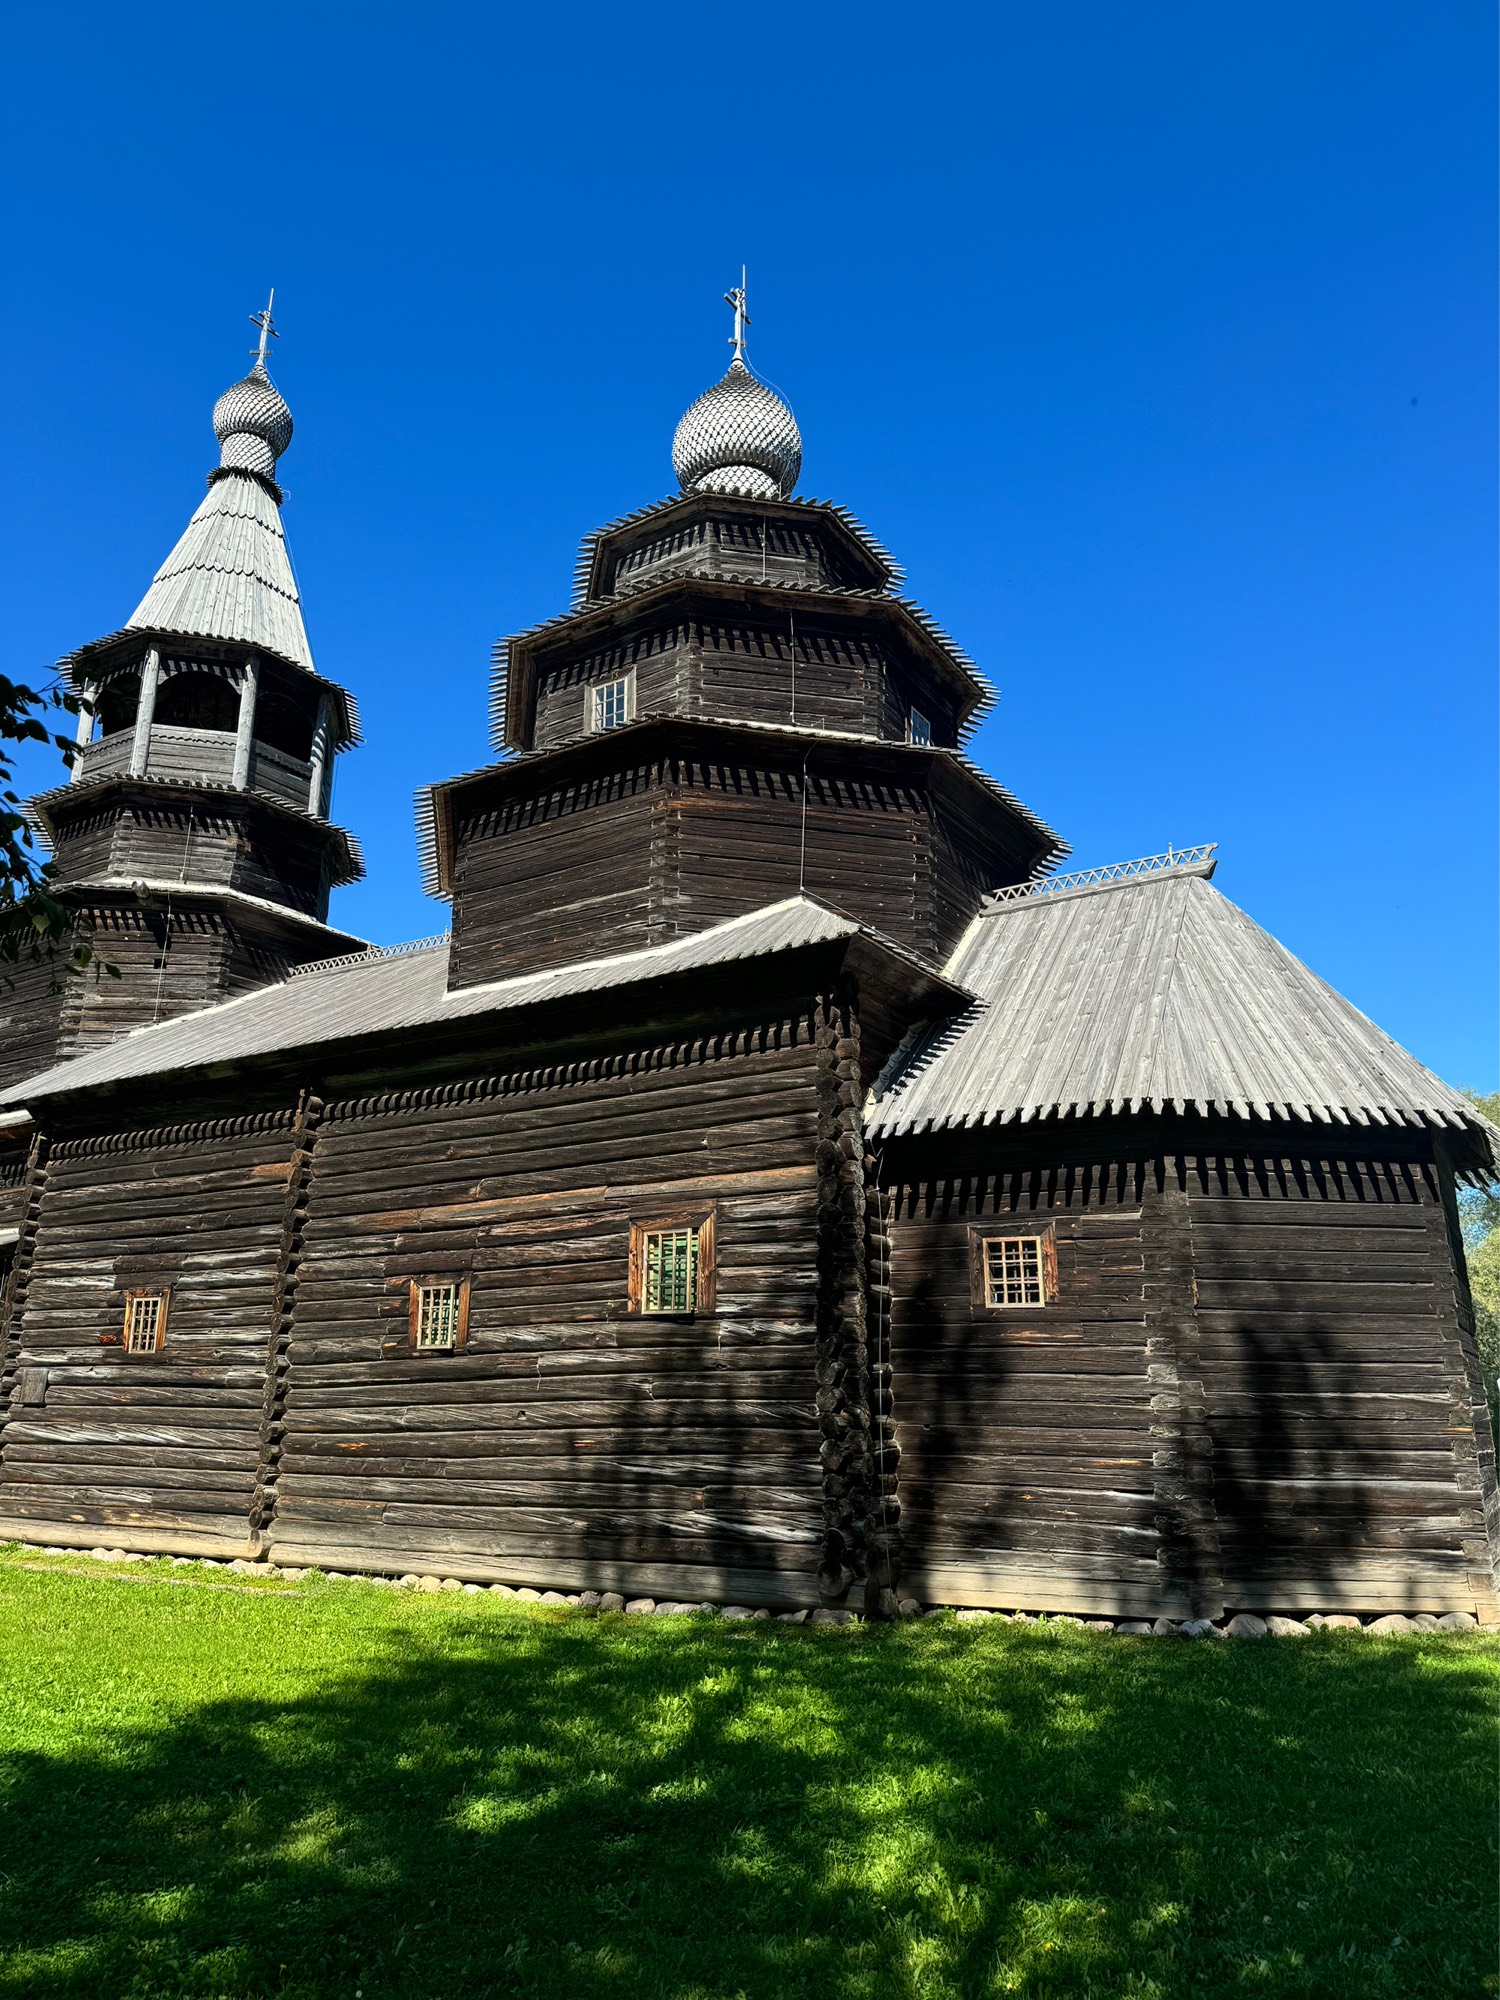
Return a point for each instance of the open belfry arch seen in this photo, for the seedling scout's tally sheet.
(782, 1184)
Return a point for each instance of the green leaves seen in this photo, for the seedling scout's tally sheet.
(36, 925)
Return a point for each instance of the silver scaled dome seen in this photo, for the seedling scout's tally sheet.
(739, 437)
(253, 424)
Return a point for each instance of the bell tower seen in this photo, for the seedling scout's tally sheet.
(194, 839)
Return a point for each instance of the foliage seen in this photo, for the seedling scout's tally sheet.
(35, 924)
(239, 1788)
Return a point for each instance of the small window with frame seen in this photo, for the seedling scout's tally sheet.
(145, 1325)
(672, 1271)
(439, 1315)
(1011, 1269)
(918, 729)
(611, 704)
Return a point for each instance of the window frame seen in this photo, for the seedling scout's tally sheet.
(594, 689)
(162, 1295)
(445, 1280)
(981, 1236)
(915, 715)
(705, 1291)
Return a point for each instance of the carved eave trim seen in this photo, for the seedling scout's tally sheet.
(518, 659)
(159, 891)
(607, 544)
(44, 811)
(121, 652)
(435, 803)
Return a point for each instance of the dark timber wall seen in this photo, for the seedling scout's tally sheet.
(569, 1444)
(126, 833)
(161, 1449)
(742, 654)
(1255, 1388)
(171, 956)
(607, 860)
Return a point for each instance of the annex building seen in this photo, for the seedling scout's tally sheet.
(783, 1184)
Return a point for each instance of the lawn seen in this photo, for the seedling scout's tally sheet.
(222, 1787)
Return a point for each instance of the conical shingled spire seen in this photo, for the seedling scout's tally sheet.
(230, 576)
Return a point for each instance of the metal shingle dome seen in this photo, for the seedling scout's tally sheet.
(252, 423)
(739, 437)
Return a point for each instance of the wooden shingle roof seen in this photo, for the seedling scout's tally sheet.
(1151, 992)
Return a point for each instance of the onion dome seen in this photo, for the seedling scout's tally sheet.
(739, 437)
(252, 423)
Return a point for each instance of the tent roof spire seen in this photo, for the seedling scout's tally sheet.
(230, 576)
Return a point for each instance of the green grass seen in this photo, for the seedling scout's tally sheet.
(219, 1788)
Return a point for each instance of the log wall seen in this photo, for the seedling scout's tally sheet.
(158, 1449)
(672, 842)
(1347, 1451)
(1254, 1389)
(168, 962)
(745, 657)
(569, 1443)
(234, 846)
(738, 542)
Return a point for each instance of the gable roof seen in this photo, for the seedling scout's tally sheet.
(383, 992)
(1153, 992)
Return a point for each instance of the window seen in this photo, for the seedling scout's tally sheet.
(145, 1322)
(672, 1265)
(918, 729)
(439, 1314)
(1014, 1270)
(610, 704)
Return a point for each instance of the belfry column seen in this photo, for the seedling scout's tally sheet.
(145, 715)
(244, 734)
(85, 735)
(322, 733)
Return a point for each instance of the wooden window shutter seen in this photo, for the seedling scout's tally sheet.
(707, 1274)
(637, 1287)
(1049, 1262)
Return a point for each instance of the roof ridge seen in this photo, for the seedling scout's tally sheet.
(370, 955)
(1173, 861)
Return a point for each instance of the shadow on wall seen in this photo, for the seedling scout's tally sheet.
(507, 1804)
(1299, 1492)
(723, 1477)
(1026, 1440)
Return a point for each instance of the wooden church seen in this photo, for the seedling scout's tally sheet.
(782, 1186)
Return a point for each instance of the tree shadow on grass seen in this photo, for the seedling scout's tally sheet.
(508, 1804)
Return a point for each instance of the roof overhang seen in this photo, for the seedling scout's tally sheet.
(46, 809)
(520, 659)
(120, 652)
(161, 892)
(706, 979)
(494, 782)
(867, 559)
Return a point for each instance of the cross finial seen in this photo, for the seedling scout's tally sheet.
(736, 298)
(267, 330)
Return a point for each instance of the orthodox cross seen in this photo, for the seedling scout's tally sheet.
(267, 329)
(736, 298)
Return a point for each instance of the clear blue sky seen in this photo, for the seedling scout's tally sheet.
(1159, 343)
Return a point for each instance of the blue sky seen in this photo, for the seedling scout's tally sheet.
(1159, 344)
